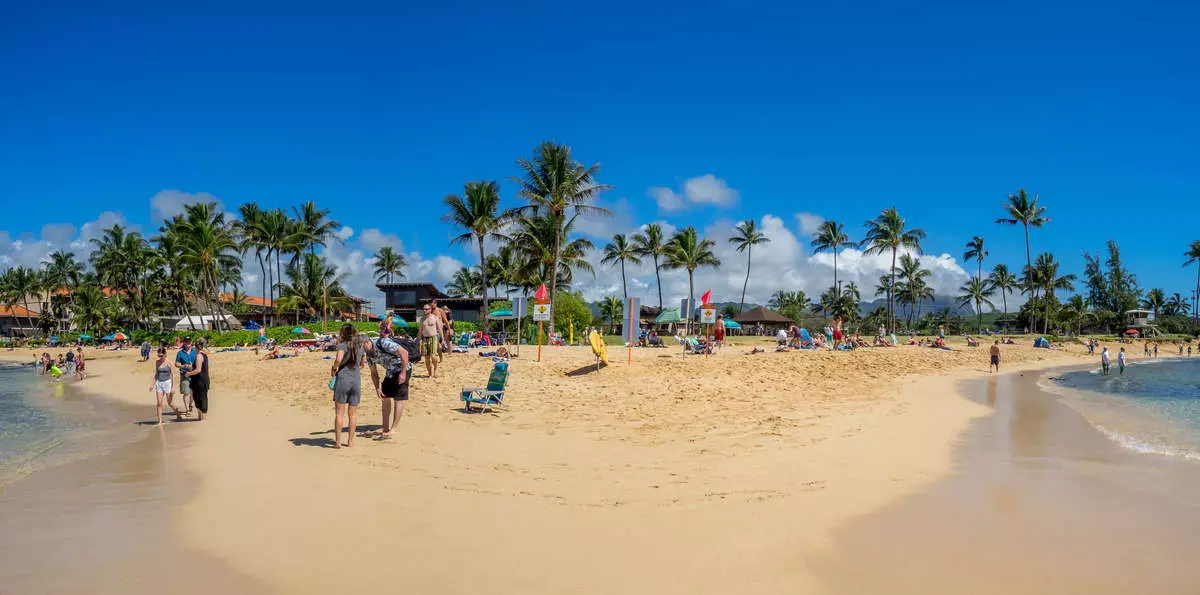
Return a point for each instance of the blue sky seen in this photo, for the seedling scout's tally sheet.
(793, 112)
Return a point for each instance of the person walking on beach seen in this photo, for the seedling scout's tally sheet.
(161, 385)
(198, 378)
(1104, 363)
(145, 351)
(79, 364)
(397, 374)
(429, 334)
(1156, 349)
(995, 357)
(347, 384)
(185, 359)
(719, 331)
(1121, 361)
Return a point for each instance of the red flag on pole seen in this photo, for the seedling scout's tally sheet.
(541, 292)
(705, 298)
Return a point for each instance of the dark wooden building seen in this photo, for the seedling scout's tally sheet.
(406, 299)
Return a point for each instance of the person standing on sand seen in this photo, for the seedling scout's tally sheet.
(443, 326)
(79, 364)
(1121, 361)
(1104, 362)
(185, 360)
(347, 384)
(429, 334)
(837, 331)
(161, 385)
(145, 351)
(995, 357)
(393, 390)
(719, 331)
(1156, 349)
(198, 378)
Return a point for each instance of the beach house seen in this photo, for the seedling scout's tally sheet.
(406, 299)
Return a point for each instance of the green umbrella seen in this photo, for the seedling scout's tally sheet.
(668, 315)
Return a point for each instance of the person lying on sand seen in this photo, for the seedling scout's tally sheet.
(972, 342)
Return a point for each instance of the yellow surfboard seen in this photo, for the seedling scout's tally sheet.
(598, 346)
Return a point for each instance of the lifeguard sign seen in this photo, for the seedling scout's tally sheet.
(708, 314)
(541, 311)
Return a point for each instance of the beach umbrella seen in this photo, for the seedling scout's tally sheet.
(729, 323)
(301, 330)
(668, 315)
(252, 326)
(107, 338)
(1131, 331)
(120, 337)
(400, 322)
(502, 313)
(85, 336)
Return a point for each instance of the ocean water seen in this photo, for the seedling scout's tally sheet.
(44, 422)
(1154, 407)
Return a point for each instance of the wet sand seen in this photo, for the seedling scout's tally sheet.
(1039, 502)
(105, 523)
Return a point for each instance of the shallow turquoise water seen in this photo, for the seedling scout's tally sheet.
(1153, 407)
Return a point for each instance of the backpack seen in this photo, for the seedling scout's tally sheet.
(391, 346)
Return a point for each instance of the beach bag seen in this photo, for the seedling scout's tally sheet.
(392, 348)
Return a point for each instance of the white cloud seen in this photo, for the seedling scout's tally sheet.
(709, 189)
(373, 239)
(601, 227)
(809, 223)
(344, 233)
(168, 203)
(703, 190)
(666, 198)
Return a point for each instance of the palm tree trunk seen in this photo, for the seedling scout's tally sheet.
(1196, 298)
(742, 306)
(835, 281)
(658, 279)
(263, 268)
(554, 268)
(979, 310)
(278, 275)
(687, 325)
(624, 287)
(891, 293)
(483, 276)
(28, 314)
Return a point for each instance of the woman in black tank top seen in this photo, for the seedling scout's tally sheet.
(199, 379)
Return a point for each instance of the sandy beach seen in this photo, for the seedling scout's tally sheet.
(739, 473)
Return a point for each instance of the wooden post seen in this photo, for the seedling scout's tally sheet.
(707, 343)
(539, 357)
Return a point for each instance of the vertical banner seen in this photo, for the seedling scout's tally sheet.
(632, 327)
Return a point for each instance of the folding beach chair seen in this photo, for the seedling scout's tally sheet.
(493, 393)
(694, 346)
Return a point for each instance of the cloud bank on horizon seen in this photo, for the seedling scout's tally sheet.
(785, 263)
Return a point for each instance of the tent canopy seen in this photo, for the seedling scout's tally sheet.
(763, 315)
(207, 322)
(502, 314)
(731, 323)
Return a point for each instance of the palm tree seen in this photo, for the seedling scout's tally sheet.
(477, 213)
(1004, 282)
(276, 239)
(745, 237)
(88, 308)
(250, 230)
(1076, 306)
(313, 284)
(621, 250)
(1193, 256)
(21, 282)
(791, 304)
(507, 267)
(1045, 277)
(612, 311)
(976, 251)
(1021, 210)
(534, 239)
(687, 250)
(314, 228)
(650, 243)
(1154, 300)
(467, 282)
(912, 285)
(208, 250)
(831, 235)
(389, 264)
(560, 188)
(887, 233)
(61, 271)
(976, 291)
(1176, 305)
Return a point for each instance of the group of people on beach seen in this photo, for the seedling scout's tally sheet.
(395, 356)
(66, 363)
(192, 362)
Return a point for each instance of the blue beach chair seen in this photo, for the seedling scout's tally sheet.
(493, 393)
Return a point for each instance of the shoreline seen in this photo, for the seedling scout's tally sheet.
(729, 509)
(1040, 501)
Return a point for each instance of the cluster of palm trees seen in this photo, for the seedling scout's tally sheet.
(184, 268)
